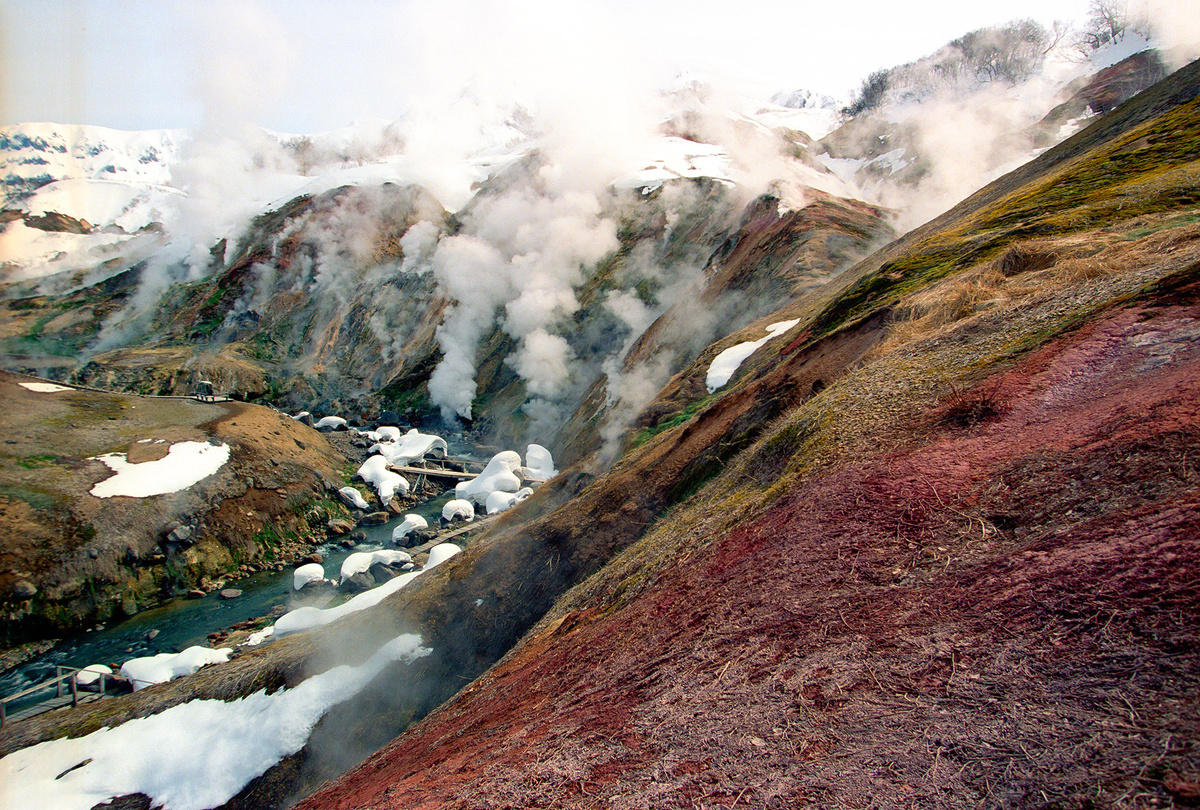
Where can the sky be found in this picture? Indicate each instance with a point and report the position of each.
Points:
(314, 65)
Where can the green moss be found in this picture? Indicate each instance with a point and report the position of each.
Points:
(35, 462)
(1148, 170)
(646, 434)
(40, 499)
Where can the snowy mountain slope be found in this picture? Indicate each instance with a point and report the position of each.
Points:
(936, 130)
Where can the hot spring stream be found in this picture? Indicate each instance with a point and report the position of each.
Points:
(183, 622)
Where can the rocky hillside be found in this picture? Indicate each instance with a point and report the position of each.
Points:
(931, 547)
(545, 304)
(74, 554)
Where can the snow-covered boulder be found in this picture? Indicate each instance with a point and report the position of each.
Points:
(409, 525)
(88, 678)
(332, 423)
(360, 562)
(539, 464)
(503, 501)
(500, 475)
(161, 668)
(440, 553)
(387, 483)
(410, 447)
(386, 434)
(312, 572)
(458, 510)
(353, 498)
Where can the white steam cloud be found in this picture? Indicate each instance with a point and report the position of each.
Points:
(518, 262)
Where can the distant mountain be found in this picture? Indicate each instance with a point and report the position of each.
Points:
(805, 99)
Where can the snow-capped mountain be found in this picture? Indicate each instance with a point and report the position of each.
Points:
(804, 99)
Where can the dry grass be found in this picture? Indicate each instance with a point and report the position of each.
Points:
(1034, 270)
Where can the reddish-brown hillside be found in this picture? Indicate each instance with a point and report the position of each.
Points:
(997, 612)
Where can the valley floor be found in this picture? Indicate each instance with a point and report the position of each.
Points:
(1003, 610)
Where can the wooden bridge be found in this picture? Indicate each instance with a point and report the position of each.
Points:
(66, 692)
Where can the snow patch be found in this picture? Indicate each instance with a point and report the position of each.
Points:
(185, 464)
(192, 756)
(727, 362)
(143, 672)
(47, 388)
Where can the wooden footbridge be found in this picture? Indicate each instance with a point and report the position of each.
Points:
(61, 690)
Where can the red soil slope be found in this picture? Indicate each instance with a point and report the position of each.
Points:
(1003, 613)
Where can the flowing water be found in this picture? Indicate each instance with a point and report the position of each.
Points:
(183, 622)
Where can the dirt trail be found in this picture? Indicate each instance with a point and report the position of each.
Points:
(999, 614)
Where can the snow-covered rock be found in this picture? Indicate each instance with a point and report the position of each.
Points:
(331, 423)
(503, 501)
(360, 561)
(727, 362)
(410, 447)
(500, 475)
(309, 618)
(387, 483)
(539, 464)
(312, 572)
(143, 672)
(90, 674)
(353, 498)
(409, 525)
(458, 509)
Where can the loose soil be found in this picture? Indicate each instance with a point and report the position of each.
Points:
(1002, 612)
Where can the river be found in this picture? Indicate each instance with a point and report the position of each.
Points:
(183, 622)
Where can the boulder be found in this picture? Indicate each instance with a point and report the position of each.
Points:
(339, 527)
(358, 537)
(182, 536)
(389, 419)
(24, 589)
(230, 593)
(374, 519)
(381, 572)
(362, 581)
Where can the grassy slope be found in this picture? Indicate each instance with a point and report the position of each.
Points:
(1119, 227)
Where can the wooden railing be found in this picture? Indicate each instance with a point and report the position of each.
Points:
(68, 674)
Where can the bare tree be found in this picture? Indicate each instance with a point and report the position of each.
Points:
(1106, 22)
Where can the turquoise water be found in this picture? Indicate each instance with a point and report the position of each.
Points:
(182, 622)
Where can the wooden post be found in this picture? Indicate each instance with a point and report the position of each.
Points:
(74, 689)
(2, 702)
(58, 680)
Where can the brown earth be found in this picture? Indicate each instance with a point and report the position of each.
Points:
(91, 558)
(1000, 611)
